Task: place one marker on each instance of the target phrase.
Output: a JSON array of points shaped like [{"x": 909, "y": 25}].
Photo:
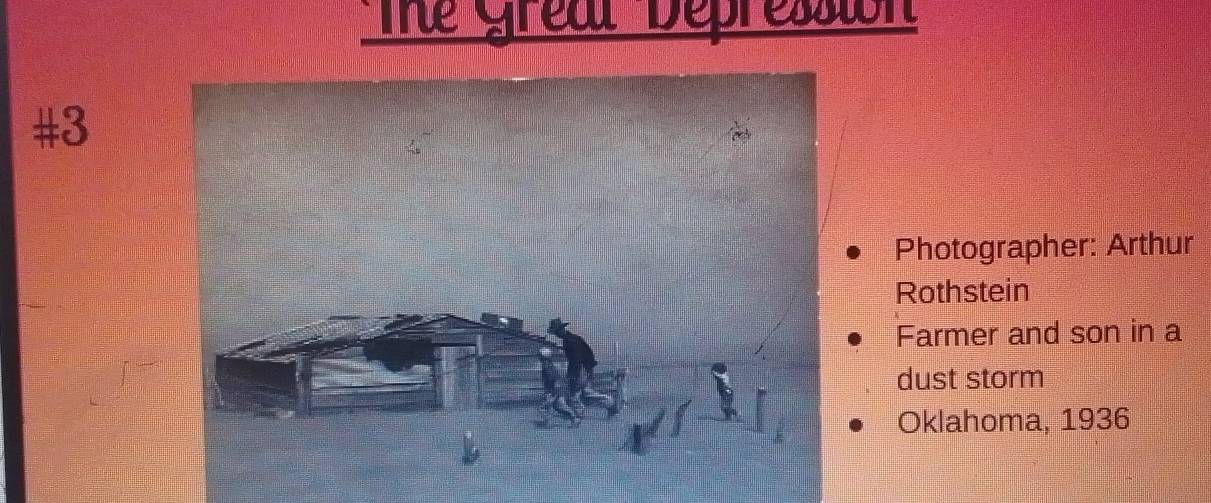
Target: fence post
[
  {"x": 637, "y": 438},
  {"x": 678, "y": 417},
  {"x": 470, "y": 451},
  {"x": 761, "y": 392},
  {"x": 620, "y": 387},
  {"x": 302, "y": 386}
]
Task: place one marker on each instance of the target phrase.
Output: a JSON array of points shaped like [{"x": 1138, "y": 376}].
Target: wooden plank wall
[
  {"x": 394, "y": 396},
  {"x": 509, "y": 371},
  {"x": 345, "y": 380},
  {"x": 255, "y": 384}
]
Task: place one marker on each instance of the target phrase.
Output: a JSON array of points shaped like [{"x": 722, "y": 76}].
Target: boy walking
[
  {"x": 727, "y": 394},
  {"x": 554, "y": 399}
]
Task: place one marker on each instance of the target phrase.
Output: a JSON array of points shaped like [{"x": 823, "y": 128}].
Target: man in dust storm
[{"x": 581, "y": 363}]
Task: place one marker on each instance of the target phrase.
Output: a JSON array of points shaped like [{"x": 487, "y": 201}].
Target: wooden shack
[{"x": 418, "y": 362}]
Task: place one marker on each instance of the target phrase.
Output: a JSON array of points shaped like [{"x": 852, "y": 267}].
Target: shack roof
[{"x": 340, "y": 332}]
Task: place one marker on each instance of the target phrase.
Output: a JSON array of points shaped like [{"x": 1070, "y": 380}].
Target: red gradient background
[{"x": 998, "y": 120}]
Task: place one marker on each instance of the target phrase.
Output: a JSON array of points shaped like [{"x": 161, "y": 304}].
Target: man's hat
[{"x": 557, "y": 325}]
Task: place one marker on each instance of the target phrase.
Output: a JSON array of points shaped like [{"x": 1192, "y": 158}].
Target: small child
[
  {"x": 726, "y": 393},
  {"x": 554, "y": 399}
]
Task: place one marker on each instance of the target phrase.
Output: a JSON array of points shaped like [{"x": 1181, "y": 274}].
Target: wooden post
[
  {"x": 479, "y": 380},
  {"x": 441, "y": 379},
  {"x": 218, "y": 398},
  {"x": 780, "y": 437},
  {"x": 637, "y": 438},
  {"x": 470, "y": 451},
  {"x": 694, "y": 381},
  {"x": 654, "y": 426},
  {"x": 302, "y": 386},
  {"x": 678, "y": 416},
  {"x": 760, "y": 419},
  {"x": 642, "y": 432},
  {"x": 620, "y": 387}
]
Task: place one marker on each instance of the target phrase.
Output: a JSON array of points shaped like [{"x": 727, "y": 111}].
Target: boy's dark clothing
[
  {"x": 550, "y": 377},
  {"x": 553, "y": 399},
  {"x": 727, "y": 395}
]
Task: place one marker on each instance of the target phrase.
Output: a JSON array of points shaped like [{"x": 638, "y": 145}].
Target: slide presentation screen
[{"x": 557, "y": 251}]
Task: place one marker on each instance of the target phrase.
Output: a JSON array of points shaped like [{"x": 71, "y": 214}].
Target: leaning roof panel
[{"x": 333, "y": 333}]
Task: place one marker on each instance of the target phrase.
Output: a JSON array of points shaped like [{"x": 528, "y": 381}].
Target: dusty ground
[{"x": 373, "y": 456}]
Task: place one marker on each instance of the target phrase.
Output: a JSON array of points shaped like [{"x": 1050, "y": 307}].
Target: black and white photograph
[{"x": 520, "y": 290}]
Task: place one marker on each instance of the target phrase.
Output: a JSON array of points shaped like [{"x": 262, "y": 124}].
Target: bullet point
[
  {"x": 855, "y": 425},
  {"x": 852, "y": 252},
  {"x": 855, "y": 338}
]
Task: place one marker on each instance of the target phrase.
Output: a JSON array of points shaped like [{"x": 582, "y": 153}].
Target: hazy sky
[{"x": 674, "y": 216}]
